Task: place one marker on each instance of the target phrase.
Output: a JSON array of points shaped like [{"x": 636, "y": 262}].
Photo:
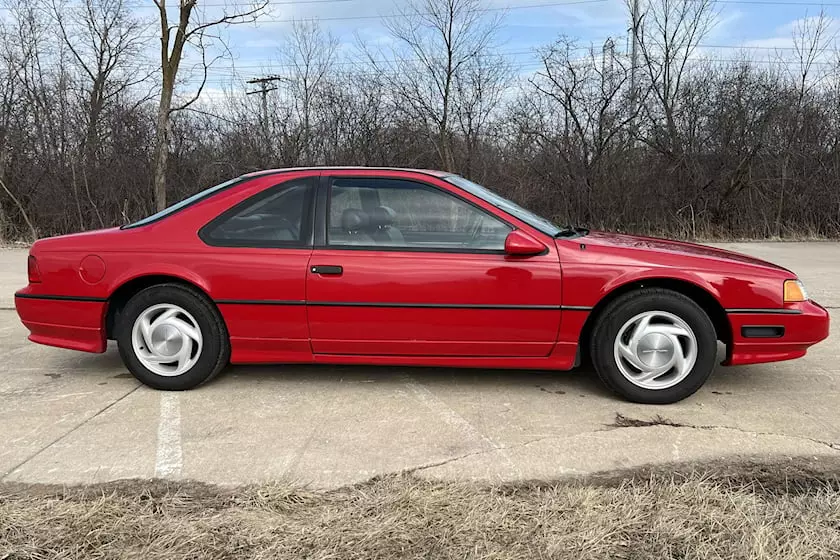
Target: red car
[{"x": 405, "y": 267}]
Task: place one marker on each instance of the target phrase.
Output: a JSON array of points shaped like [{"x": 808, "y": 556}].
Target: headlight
[{"x": 795, "y": 291}]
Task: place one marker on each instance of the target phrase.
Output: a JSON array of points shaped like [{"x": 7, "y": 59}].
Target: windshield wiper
[{"x": 569, "y": 232}]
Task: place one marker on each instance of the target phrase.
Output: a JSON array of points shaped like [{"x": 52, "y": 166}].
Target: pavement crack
[
  {"x": 623, "y": 422},
  {"x": 424, "y": 466},
  {"x": 500, "y": 449},
  {"x": 67, "y": 434}
]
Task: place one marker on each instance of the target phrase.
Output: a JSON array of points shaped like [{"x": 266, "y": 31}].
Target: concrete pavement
[{"x": 71, "y": 417}]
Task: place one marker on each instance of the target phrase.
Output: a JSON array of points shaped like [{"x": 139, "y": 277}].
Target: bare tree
[
  {"x": 480, "y": 91},
  {"x": 438, "y": 42},
  {"x": 812, "y": 38},
  {"x": 105, "y": 41},
  {"x": 186, "y": 32},
  {"x": 669, "y": 33},
  {"x": 589, "y": 91},
  {"x": 747, "y": 148},
  {"x": 26, "y": 97},
  {"x": 308, "y": 54}
]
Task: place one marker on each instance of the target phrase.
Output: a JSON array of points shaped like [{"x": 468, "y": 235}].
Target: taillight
[{"x": 32, "y": 270}]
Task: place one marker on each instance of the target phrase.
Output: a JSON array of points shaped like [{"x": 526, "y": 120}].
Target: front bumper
[
  {"x": 802, "y": 326},
  {"x": 77, "y": 324}
]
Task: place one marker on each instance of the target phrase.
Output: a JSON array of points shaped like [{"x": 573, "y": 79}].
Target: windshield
[
  {"x": 183, "y": 204},
  {"x": 502, "y": 203}
]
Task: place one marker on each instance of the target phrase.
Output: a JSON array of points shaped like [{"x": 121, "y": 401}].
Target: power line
[
  {"x": 271, "y": 67},
  {"x": 222, "y": 80},
  {"x": 380, "y": 16},
  {"x": 147, "y": 6},
  {"x": 772, "y": 2}
]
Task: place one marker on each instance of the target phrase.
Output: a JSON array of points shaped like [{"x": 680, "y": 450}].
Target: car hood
[{"x": 655, "y": 245}]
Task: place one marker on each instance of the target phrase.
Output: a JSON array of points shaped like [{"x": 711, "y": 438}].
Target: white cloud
[{"x": 783, "y": 37}]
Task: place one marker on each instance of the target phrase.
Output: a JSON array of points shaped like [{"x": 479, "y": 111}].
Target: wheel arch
[
  {"x": 127, "y": 289},
  {"x": 697, "y": 293}
]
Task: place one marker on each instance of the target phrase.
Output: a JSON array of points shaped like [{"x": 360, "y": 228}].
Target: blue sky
[{"x": 527, "y": 25}]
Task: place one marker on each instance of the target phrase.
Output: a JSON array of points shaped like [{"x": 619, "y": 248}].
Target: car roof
[{"x": 432, "y": 172}]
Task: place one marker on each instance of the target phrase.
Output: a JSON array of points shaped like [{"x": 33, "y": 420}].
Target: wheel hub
[
  {"x": 655, "y": 350},
  {"x": 167, "y": 340}
]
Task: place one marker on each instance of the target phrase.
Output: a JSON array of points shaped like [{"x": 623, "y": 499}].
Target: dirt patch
[
  {"x": 622, "y": 421},
  {"x": 553, "y": 392},
  {"x": 743, "y": 510}
]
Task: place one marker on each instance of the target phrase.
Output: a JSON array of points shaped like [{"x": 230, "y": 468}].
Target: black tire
[
  {"x": 215, "y": 351},
  {"x": 625, "y": 307}
]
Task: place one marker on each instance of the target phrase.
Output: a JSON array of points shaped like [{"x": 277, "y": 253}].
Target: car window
[
  {"x": 342, "y": 198},
  {"x": 276, "y": 217},
  {"x": 177, "y": 207},
  {"x": 395, "y": 213},
  {"x": 504, "y": 204}
]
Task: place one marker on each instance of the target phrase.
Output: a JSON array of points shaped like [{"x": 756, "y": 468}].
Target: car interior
[
  {"x": 368, "y": 217},
  {"x": 275, "y": 218},
  {"x": 412, "y": 218}
]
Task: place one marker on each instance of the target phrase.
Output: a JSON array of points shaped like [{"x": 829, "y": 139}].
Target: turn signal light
[
  {"x": 795, "y": 291},
  {"x": 32, "y": 270}
]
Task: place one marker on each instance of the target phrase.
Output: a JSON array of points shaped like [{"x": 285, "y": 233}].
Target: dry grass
[{"x": 782, "y": 510}]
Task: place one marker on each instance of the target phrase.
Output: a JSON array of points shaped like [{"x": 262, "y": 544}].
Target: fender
[
  {"x": 657, "y": 273},
  {"x": 159, "y": 269}
]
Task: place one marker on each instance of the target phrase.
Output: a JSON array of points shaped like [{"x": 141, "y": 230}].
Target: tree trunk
[
  {"x": 2, "y": 224},
  {"x": 161, "y": 155},
  {"x": 32, "y": 231}
]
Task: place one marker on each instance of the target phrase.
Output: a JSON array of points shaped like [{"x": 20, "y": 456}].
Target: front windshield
[
  {"x": 183, "y": 204},
  {"x": 502, "y": 203}
]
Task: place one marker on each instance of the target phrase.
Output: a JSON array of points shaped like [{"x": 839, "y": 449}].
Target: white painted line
[
  {"x": 451, "y": 417},
  {"x": 169, "y": 456},
  {"x": 675, "y": 448}
]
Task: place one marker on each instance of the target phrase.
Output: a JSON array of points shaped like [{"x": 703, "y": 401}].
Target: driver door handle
[{"x": 326, "y": 269}]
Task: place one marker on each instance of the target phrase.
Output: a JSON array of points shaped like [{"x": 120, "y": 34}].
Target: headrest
[
  {"x": 382, "y": 216},
  {"x": 353, "y": 219}
]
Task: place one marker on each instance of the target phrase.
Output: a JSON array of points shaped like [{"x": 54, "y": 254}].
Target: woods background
[{"x": 654, "y": 134}]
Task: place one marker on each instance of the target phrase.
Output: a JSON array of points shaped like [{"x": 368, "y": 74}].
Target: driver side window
[{"x": 404, "y": 214}]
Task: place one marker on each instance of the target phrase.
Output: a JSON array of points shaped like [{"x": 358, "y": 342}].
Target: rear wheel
[
  {"x": 653, "y": 346},
  {"x": 171, "y": 337}
]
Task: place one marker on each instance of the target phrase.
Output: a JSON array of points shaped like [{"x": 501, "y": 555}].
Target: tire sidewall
[
  {"x": 677, "y": 304},
  {"x": 202, "y": 312}
]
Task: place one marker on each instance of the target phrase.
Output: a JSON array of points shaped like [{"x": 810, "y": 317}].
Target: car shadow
[
  {"x": 581, "y": 382},
  {"x": 103, "y": 367}
]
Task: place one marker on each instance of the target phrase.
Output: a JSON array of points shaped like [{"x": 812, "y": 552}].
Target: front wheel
[
  {"x": 654, "y": 346},
  {"x": 172, "y": 338}
]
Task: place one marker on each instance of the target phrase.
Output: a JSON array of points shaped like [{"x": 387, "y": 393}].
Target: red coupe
[{"x": 408, "y": 267}]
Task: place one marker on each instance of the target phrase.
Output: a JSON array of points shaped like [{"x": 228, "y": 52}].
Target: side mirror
[{"x": 521, "y": 244}]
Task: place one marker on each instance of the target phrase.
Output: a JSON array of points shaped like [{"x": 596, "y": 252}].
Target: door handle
[{"x": 327, "y": 269}]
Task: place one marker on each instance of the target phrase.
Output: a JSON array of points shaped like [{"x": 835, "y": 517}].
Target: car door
[
  {"x": 256, "y": 261},
  {"x": 409, "y": 267}
]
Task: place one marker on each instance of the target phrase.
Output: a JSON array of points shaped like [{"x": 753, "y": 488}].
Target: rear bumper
[
  {"x": 77, "y": 324},
  {"x": 797, "y": 328}
]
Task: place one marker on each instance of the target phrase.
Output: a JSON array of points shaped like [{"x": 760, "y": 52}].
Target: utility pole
[
  {"x": 264, "y": 89},
  {"x": 607, "y": 58},
  {"x": 635, "y": 16}
]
